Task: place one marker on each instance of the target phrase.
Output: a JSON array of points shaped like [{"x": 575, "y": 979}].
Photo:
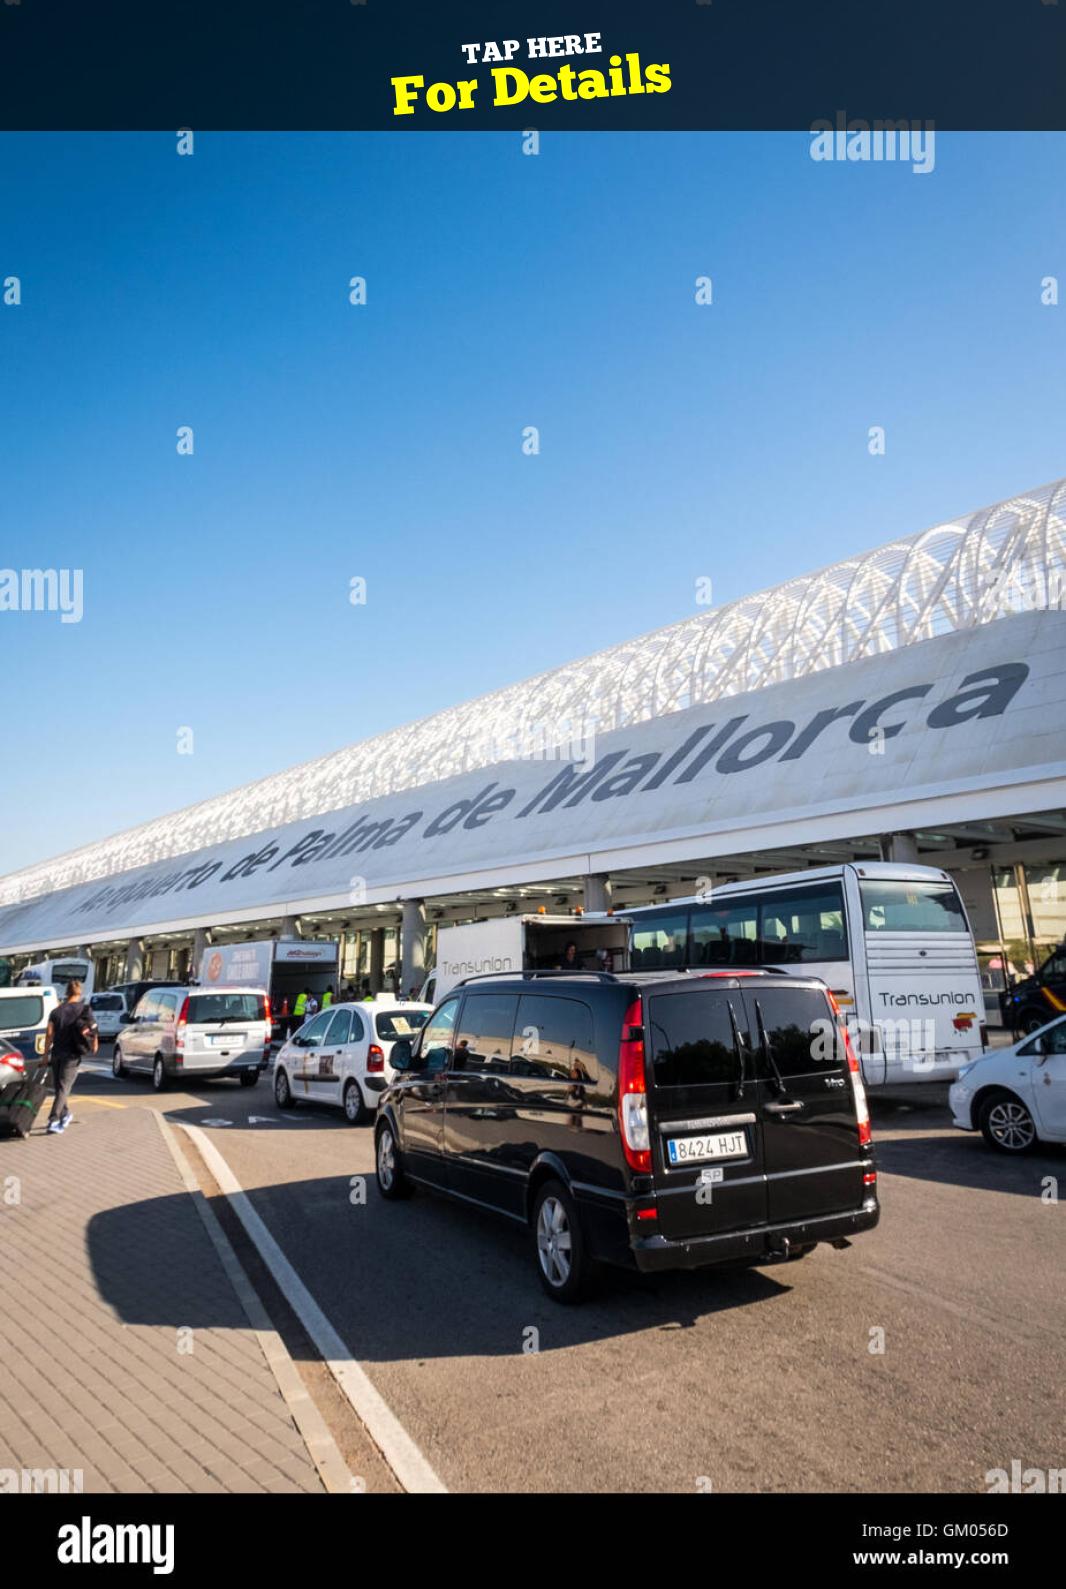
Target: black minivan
[{"x": 658, "y": 1120}]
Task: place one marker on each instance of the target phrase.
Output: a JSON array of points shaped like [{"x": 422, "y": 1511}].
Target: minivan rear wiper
[
  {"x": 738, "y": 1045},
  {"x": 764, "y": 1044}
]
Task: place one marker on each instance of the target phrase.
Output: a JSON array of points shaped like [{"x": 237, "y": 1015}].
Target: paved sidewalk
[{"x": 134, "y": 1361}]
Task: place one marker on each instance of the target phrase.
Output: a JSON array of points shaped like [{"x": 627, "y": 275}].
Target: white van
[
  {"x": 108, "y": 1010},
  {"x": 179, "y": 1033}
]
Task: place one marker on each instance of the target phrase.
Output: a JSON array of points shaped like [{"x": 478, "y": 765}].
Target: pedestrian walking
[
  {"x": 312, "y": 1005},
  {"x": 327, "y": 998},
  {"x": 71, "y": 1036}
]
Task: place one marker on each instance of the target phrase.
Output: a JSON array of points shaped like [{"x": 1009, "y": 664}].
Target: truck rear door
[
  {"x": 707, "y": 1144},
  {"x": 814, "y": 1164}
]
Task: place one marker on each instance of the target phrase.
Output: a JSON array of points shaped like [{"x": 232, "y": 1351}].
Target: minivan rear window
[
  {"x": 16, "y": 1014},
  {"x": 205, "y": 1007},
  {"x": 692, "y": 1043},
  {"x": 800, "y": 1030}
]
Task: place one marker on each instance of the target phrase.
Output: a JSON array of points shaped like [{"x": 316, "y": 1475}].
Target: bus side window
[
  {"x": 807, "y": 925},
  {"x": 726, "y": 934},
  {"x": 660, "y": 941}
]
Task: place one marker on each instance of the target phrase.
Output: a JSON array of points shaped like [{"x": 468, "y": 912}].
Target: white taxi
[{"x": 341, "y": 1056}]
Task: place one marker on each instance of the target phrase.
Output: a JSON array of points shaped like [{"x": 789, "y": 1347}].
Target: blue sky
[{"x": 384, "y": 442}]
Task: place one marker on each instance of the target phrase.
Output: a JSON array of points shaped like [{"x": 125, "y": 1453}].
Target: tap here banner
[{"x": 558, "y": 65}]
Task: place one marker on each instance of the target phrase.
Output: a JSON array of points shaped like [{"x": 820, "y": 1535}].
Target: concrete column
[
  {"x": 377, "y": 959},
  {"x": 902, "y": 847},
  {"x": 201, "y": 941},
  {"x": 288, "y": 927},
  {"x": 597, "y": 891},
  {"x": 134, "y": 960},
  {"x": 413, "y": 952},
  {"x": 975, "y": 886}
]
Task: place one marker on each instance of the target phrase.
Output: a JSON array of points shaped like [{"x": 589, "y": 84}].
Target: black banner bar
[{"x": 729, "y": 64}]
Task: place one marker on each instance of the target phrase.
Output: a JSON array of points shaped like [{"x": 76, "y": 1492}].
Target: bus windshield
[{"x": 911, "y": 907}]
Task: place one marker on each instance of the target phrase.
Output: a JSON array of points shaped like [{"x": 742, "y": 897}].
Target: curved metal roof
[{"x": 1007, "y": 558}]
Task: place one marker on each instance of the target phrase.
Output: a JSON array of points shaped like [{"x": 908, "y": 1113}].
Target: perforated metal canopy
[{"x": 1004, "y": 559}]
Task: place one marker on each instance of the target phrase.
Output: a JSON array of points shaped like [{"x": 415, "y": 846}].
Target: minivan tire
[
  {"x": 355, "y": 1110},
  {"x": 118, "y": 1067},
  {"x": 159, "y": 1074},
  {"x": 249, "y": 1078},
  {"x": 388, "y": 1165},
  {"x": 563, "y": 1265},
  {"x": 1007, "y": 1123}
]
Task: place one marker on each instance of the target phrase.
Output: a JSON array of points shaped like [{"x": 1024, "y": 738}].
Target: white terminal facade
[{"x": 906, "y": 704}]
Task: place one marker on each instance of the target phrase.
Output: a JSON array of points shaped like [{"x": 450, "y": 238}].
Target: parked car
[
  {"x": 108, "y": 1010},
  {"x": 341, "y": 1056},
  {"x": 650, "y": 1120},
  {"x": 180, "y": 1033},
  {"x": 1016, "y": 1097}
]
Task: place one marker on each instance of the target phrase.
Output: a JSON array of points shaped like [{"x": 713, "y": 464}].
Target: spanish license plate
[
  {"x": 716, "y": 1145},
  {"x": 226, "y": 1039}
]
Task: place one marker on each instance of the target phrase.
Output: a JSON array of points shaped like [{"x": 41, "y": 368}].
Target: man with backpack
[{"x": 72, "y": 1035}]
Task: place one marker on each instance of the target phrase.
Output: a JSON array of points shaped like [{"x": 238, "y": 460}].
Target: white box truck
[
  {"x": 284, "y": 967},
  {"x": 525, "y": 943}
]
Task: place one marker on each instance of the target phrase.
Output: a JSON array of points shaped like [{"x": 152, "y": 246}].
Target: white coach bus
[
  {"x": 892, "y": 943},
  {"x": 56, "y": 974}
]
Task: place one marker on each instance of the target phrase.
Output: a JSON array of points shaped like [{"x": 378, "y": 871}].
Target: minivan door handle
[{"x": 782, "y": 1108}]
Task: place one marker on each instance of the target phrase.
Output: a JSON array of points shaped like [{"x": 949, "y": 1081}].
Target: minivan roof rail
[
  {"x": 522, "y": 976},
  {"x": 659, "y": 973}
]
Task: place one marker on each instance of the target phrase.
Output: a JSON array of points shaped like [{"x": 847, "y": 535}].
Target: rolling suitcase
[{"x": 20, "y": 1102}]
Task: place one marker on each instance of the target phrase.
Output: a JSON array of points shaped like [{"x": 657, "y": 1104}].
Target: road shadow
[
  {"x": 965, "y": 1159},
  {"x": 419, "y": 1280}
]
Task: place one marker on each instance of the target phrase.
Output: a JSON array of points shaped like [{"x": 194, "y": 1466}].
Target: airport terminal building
[{"x": 906, "y": 704}]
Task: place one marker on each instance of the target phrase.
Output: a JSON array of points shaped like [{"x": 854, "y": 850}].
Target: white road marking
[
  {"x": 216, "y": 1122},
  {"x": 321, "y": 1446},
  {"x": 403, "y": 1456}
]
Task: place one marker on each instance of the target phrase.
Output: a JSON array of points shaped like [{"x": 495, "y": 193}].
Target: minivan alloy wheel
[
  {"x": 554, "y": 1241},
  {"x": 386, "y": 1159}
]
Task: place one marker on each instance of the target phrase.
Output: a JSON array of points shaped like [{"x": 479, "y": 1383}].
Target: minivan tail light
[
  {"x": 633, "y": 1092},
  {"x": 862, "y": 1108},
  {"x": 375, "y": 1057},
  {"x": 183, "y": 1021}
]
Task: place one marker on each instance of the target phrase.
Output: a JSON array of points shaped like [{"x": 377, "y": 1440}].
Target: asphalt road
[{"x": 928, "y": 1353}]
